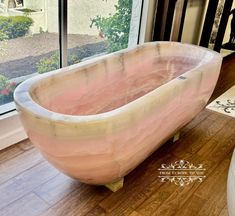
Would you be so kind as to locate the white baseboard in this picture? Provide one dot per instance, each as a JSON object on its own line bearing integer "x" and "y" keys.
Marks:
{"x": 11, "y": 130}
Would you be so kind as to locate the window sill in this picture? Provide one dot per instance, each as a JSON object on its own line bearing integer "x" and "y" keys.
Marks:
{"x": 6, "y": 108}
{"x": 11, "y": 129}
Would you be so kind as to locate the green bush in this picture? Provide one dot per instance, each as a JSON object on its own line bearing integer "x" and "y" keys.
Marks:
{"x": 3, "y": 36}
{"x": 116, "y": 28}
{"x": 15, "y": 26}
{"x": 6, "y": 90}
{"x": 52, "y": 63}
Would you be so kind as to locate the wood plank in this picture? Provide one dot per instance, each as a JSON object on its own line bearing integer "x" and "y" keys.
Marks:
{"x": 18, "y": 164}
{"x": 192, "y": 206}
{"x": 151, "y": 204}
{"x": 135, "y": 213}
{"x": 56, "y": 188}
{"x": 211, "y": 194}
{"x": 97, "y": 210}
{"x": 139, "y": 185}
{"x": 224, "y": 211}
{"x": 216, "y": 201}
{"x": 79, "y": 202}
{"x": 156, "y": 205}
{"x": 29, "y": 205}
{"x": 9, "y": 153}
{"x": 197, "y": 138}
{"x": 198, "y": 119}
{"x": 221, "y": 144}
{"x": 214, "y": 189}
{"x": 24, "y": 183}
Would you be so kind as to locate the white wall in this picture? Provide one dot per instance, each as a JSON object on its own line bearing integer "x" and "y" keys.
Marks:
{"x": 51, "y": 11}
{"x": 38, "y": 19}
{"x": 35, "y": 5}
{"x": 11, "y": 130}
{"x": 80, "y": 13}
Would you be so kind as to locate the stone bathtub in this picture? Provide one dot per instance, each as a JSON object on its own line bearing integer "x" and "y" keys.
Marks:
{"x": 97, "y": 120}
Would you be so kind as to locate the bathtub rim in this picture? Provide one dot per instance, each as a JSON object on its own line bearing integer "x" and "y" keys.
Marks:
{"x": 24, "y": 101}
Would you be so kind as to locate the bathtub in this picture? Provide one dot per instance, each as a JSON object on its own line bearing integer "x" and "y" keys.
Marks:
{"x": 97, "y": 120}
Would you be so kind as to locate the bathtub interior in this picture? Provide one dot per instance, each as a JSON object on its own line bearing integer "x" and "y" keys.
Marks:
{"x": 114, "y": 81}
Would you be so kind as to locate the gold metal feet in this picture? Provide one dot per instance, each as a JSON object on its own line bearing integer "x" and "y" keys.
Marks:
{"x": 176, "y": 136}
{"x": 115, "y": 186}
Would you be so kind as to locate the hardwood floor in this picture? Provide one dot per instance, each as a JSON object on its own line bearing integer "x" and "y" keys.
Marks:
{"x": 29, "y": 186}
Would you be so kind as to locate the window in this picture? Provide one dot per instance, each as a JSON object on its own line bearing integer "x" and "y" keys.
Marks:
{"x": 28, "y": 36}
{"x": 40, "y": 36}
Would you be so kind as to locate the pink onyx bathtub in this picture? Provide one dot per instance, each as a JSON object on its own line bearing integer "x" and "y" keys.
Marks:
{"x": 97, "y": 120}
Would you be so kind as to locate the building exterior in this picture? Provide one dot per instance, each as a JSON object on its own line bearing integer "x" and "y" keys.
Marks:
{"x": 80, "y": 13}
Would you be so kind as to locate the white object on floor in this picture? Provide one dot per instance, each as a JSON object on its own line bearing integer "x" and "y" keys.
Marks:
{"x": 225, "y": 103}
{"x": 231, "y": 187}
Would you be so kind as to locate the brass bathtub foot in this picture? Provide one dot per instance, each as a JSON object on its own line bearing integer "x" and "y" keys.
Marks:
{"x": 115, "y": 186}
{"x": 176, "y": 136}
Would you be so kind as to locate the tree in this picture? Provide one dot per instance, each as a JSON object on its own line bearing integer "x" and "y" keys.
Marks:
{"x": 115, "y": 28}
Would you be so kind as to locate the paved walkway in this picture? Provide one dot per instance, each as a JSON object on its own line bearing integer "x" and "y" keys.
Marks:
{"x": 23, "y": 53}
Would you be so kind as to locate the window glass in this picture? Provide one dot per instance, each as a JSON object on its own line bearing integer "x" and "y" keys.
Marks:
{"x": 28, "y": 42}
{"x": 29, "y": 38}
{"x": 97, "y": 27}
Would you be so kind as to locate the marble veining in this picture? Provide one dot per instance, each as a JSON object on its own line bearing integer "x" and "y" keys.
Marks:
{"x": 97, "y": 120}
